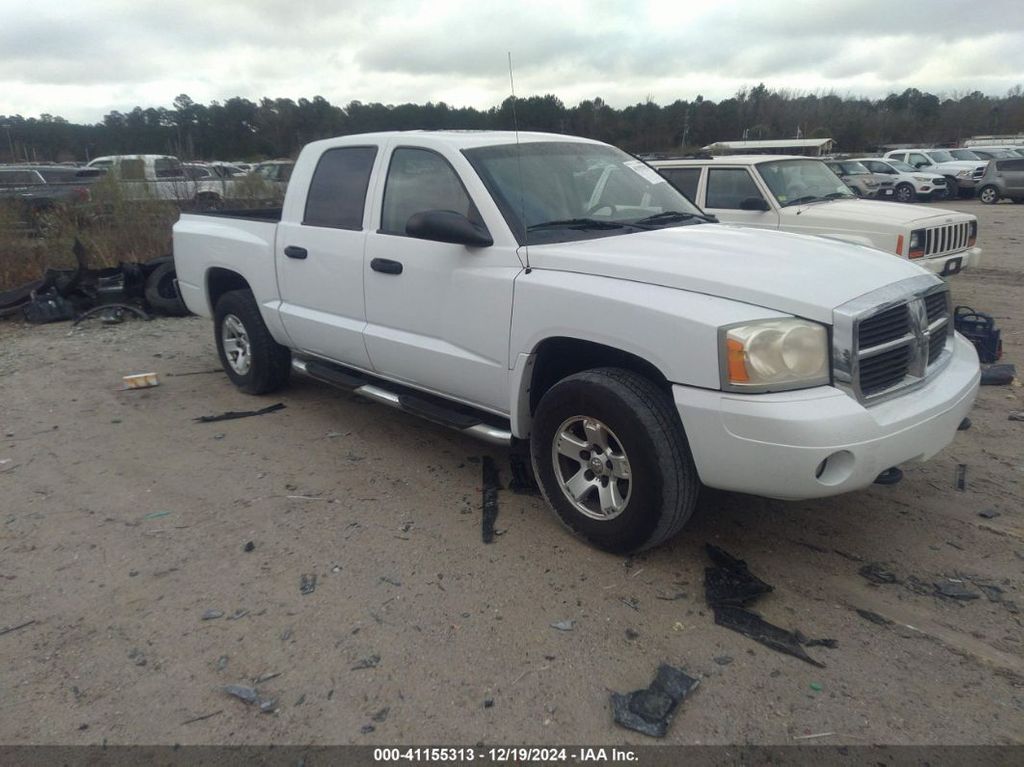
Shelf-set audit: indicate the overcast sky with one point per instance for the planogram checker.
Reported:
(83, 59)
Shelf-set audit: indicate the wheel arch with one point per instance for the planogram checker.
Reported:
(219, 281)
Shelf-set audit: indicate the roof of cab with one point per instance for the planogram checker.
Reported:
(730, 159)
(460, 139)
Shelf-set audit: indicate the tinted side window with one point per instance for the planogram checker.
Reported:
(683, 179)
(728, 187)
(167, 168)
(18, 177)
(337, 193)
(420, 180)
(917, 158)
(1017, 165)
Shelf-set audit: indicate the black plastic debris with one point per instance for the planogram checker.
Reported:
(212, 614)
(1016, 415)
(249, 546)
(490, 498)
(307, 584)
(988, 514)
(954, 590)
(980, 329)
(961, 476)
(890, 476)
(752, 625)
(878, 574)
(730, 582)
(730, 585)
(965, 424)
(650, 710)
(521, 480)
(233, 414)
(997, 375)
(370, 662)
(874, 617)
(247, 695)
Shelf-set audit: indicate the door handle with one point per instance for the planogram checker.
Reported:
(386, 266)
(294, 251)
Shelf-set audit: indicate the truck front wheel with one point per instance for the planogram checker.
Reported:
(612, 460)
(253, 360)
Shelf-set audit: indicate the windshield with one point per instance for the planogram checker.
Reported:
(901, 166)
(795, 182)
(940, 156)
(963, 154)
(554, 191)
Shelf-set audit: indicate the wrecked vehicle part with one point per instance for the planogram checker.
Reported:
(234, 414)
(106, 307)
(44, 309)
(755, 627)
(730, 582)
(161, 291)
(650, 710)
(490, 498)
(997, 375)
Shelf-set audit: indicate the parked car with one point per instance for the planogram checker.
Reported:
(961, 175)
(910, 184)
(1003, 178)
(1013, 151)
(493, 283)
(802, 195)
(38, 189)
(991, 154)
(861, 180)
(149, 176)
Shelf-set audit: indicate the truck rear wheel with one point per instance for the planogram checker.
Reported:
(612, 460)
(253, 360)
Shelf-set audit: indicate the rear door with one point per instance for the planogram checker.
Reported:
(685, 180)
(1012, 172)
(727, 190)
(320, 259)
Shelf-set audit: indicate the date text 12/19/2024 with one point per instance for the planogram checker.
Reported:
(503, 754)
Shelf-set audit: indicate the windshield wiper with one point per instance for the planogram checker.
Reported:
(668, 217)
(576, 223)
(803, 200)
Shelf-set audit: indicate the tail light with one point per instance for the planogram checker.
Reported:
(916, 244)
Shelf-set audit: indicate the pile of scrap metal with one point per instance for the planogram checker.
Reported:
(75, 294)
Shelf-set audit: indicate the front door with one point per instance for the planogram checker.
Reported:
(729, 190)
(438, 314)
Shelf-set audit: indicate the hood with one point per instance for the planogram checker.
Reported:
(792, 273)
(955, 165)
(842, 213)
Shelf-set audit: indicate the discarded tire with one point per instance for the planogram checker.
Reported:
(162, 291)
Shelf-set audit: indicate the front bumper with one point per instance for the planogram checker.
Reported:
(946, 265)
(820, 442)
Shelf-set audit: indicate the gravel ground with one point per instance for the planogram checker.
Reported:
(124, 522)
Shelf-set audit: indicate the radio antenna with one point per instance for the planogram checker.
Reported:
(519, 163)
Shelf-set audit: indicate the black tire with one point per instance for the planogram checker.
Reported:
(904, 192)
(270, 364)
(1018, 200)
(952, 188)
(162, 292)
(988, 194)
(209, 201)
(642, 424)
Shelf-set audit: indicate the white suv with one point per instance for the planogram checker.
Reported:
(962, 176)
(911, 184)
(801, 195)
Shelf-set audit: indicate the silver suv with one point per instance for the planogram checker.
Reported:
(1003, 178)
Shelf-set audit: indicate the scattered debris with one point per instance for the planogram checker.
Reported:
(988, 514)
(878, 574)
(816, 686)
(961, 476)
(157, 515)
(488, 702)
(201, 718)
(752, 625)
(222, 662)
(9, 629)
(730, 582)
(522, 481)
(370, 662)
(980, 329)
(965, 424)
(249, 546)
(992, 592)
(239, 613)
(491, 485)
(814, 735)
(873, 617)
(390, 581)
(140, 381)
(566, 625)
(137, 656)
(730, 585)
(632, 634)
(723, 660)
(650, 710)
(247, 695)
(890, 476)
(212, 614)
(233, 414)
(366, 729)
(1016, 415)
(381, 715)
(307, 584)
(286, 635)
(997, 375)
(954, 590)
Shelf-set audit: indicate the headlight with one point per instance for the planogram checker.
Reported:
(923, 179)
(963, 173)
(774, 355)
(916, 249)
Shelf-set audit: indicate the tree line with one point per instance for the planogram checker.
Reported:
(241, 129)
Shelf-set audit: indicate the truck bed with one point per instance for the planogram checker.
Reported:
(272, 215)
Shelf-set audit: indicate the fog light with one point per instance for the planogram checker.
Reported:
(835, 469)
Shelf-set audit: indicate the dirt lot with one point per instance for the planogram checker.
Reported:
(123, 521)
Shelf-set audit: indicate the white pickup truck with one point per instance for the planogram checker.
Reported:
(555, 294)
(802, 195)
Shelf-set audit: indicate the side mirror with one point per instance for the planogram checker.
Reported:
(447, 226)
(920, 164)
(755, 203)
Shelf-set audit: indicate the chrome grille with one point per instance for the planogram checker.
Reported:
(946, 239)
(892, 339)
